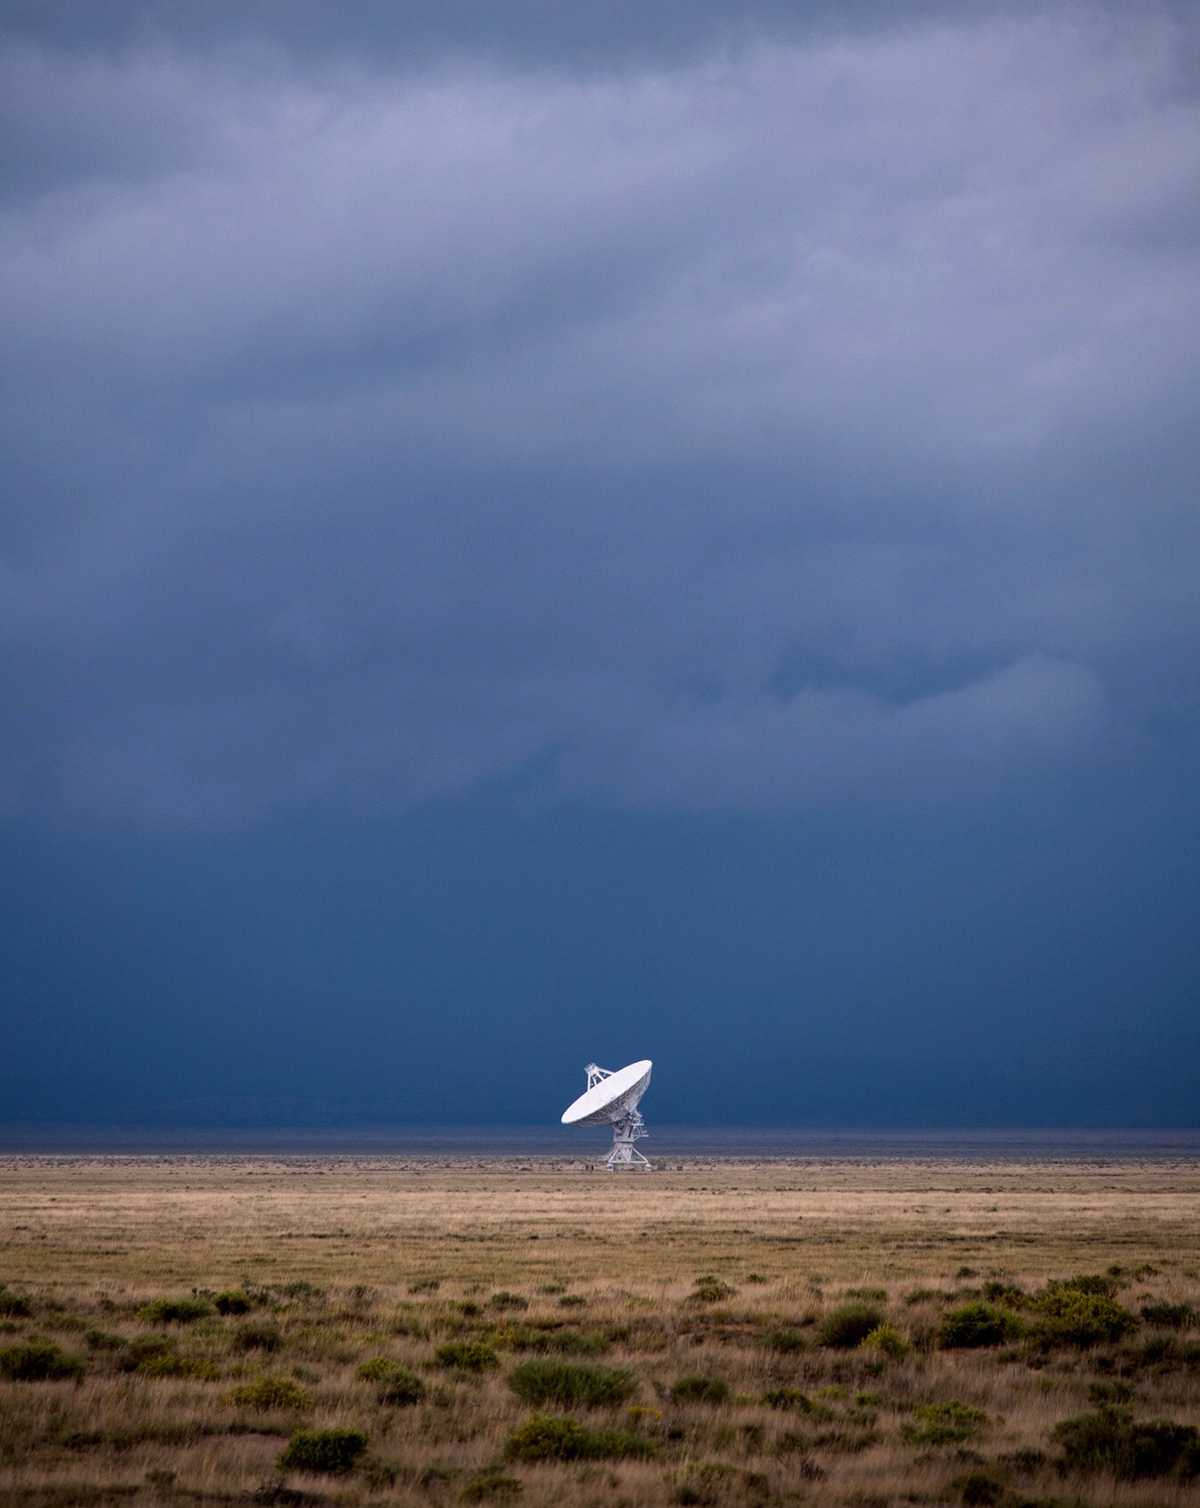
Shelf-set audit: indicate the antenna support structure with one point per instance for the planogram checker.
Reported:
(622, 1114)
(611, 1099)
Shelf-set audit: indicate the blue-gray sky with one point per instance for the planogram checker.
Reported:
(538, 532)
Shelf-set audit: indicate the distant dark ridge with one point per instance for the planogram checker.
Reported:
(666, 1142)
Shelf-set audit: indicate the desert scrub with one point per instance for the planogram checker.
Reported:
(494, 1483)
(545, 1338)
(695, 1388)
(787, 1398)
(1070, 1315)
(506, 1300)
(258, 1335)
(466, 1356)
(185, 1311)
(331, 1451)
(235, 1301)
(944, 1423)
(887, 1341)
(270, 1392)
(849, 1325)
(710, 1290)
(1112, 1442)
(40, 1361)
(394, 1383)
(1169, 1316)
(13, 1305)
(975, 1325)
(571, 1384)
(546, 1437)
(787, 1339)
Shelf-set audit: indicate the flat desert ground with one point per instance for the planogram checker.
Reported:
(559, 1335)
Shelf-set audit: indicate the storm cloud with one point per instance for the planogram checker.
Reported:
(794, 421)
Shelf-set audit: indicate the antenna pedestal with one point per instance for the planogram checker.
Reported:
(624, 1154)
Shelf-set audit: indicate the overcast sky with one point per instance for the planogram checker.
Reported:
(539, 532)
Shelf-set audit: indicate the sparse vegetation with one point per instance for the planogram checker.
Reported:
(768, 1390)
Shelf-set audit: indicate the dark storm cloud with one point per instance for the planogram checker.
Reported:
(717, 427)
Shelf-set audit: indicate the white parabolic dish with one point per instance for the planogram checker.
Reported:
(612, 1098)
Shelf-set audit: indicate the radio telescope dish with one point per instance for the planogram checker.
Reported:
(611, 1099)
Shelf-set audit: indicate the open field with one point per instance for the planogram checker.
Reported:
(569, 1294)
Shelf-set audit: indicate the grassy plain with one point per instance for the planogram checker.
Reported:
(719, 1270)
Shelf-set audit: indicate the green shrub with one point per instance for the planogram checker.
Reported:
(270, 1392)
(506, 1300)
(466, 1356)
(925, 1295)
(174, 1311)
(103, 1340)
(695, 1388)
(977, 1324)
(39, 1361)
(425, 1285)
(545, 1437)
(570, 1384)
(1003, 1293)
(567, 1342)
(888, 1341)
(1113, 1443)
(787, 1398)
(258, 1335)
(13, 1305)
(849, 1325)
(1097, 1284)
(394, 1382)
(572, 1301)
(491, 1484)
(944, 1423)
(1071, 1316)
(168, 1364)
(142, 1347)
(709, 1290)
(233, 1302)
(1169, 1316)
(786, 1340)
(332, 1451)
(979, 1490)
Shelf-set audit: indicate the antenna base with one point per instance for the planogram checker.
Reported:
(624, 1154)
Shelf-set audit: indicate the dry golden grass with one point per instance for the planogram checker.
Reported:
(89, 1240)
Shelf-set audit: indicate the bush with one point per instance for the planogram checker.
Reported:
(258, 1335)
(709, 1290)
(40, 1362)
(944, 1423)
(787, 1398)
(1112, 1442)
(569, 1384)
(142, 1347)
(492, 1484)
(849, 1326)
(545, 1338)
(786, 1340)
(466, 1356)
(270, 1392)
(697, 1389)
(1169, 1316)
(544, 1437)
(394, 1382)
(506, 1300)
(174, 1311)
(572, 1301)
(425, 1285)
(1073, 1316)
(888, 1341)
(977, 1324)
(13, 1305)
(979, 1490)
(332, 1451)
(233, 1302)
(168, 1364)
